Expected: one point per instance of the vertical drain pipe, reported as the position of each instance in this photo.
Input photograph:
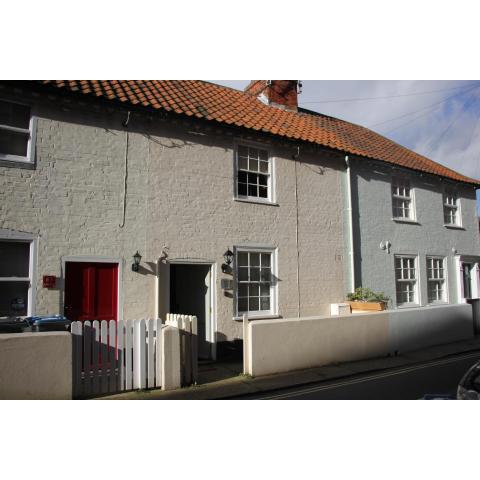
(295, 157)
(350, 225)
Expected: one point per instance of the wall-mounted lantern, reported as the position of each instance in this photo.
(228, 257)
(136, 262)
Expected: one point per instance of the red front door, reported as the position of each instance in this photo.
(91, 291)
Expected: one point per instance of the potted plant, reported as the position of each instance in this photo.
(366, 299)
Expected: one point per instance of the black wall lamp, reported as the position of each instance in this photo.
(228, 257)
(136, 262)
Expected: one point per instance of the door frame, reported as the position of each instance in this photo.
(474, 260)
(95, 259)
(213, 295)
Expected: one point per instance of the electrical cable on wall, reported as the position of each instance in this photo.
(125, 173)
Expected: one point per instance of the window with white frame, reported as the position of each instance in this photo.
(253, 173)
(451, 210)
(255, 275)
(15, 278)
(436, 280)
(406, 279)
(402, 199)
(16, 126)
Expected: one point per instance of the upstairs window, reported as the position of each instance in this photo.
(406, 280)
(15, 132)
(402, 199)
(253, 173)
(451, 210)
(436, 280)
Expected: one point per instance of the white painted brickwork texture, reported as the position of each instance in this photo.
(179, 194)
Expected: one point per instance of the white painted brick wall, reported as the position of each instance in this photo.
(180, 194)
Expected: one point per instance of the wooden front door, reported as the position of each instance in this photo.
(91, 291)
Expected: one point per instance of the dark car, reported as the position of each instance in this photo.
(469, 386)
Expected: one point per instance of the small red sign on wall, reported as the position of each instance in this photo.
(49, 281)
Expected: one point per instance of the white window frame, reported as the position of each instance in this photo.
(31, 131)
(32, 263)
(403, 181)
(450, 190)
(475, 278)
(271, 174)
(416, 292)
(444, 279)
(273, 311)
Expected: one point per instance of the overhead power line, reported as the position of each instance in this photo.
(361, 99)
(431, 143)
(428, 107)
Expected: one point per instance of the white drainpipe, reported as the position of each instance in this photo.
(351, 252)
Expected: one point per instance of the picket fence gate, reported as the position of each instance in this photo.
(188, 327)
(111, 356)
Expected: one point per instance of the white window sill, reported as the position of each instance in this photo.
(258, 317)
(14, 161)
(405, 220)
(256, 200)
(454, 227)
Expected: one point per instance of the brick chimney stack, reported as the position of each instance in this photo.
(279, 93)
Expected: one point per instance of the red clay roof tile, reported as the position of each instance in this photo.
(229, 106)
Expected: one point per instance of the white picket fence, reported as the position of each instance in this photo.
(110, 356)
(187, 324)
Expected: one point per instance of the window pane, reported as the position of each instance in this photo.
(243, 163)
(242, 259)
(253, 304)
(264, 167)
(252, 191)
(243, 274)
(265, 275)
(243, 289)
(262, 192)
(263, 180)
(243, 304)
(254, 290)
(265, 259)
(14, 259)
(253, 153)
(254, 274)
(253, 164)
(14, 115)
(242, 189)
(13, 143)
(264, 289)
(265, 303)
(13, 298)
(243, 177)
(254, 259)
(253, 178)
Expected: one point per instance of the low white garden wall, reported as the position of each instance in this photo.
(36, 366)
(274, 346)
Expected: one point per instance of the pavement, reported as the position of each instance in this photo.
(223, 380)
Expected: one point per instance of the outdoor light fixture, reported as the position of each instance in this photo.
(136, 262)
(228, 257)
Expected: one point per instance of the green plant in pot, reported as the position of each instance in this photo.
(366, 299)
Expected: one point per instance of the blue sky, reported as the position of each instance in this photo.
(437, 118)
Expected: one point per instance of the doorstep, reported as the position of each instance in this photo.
(239, 385)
